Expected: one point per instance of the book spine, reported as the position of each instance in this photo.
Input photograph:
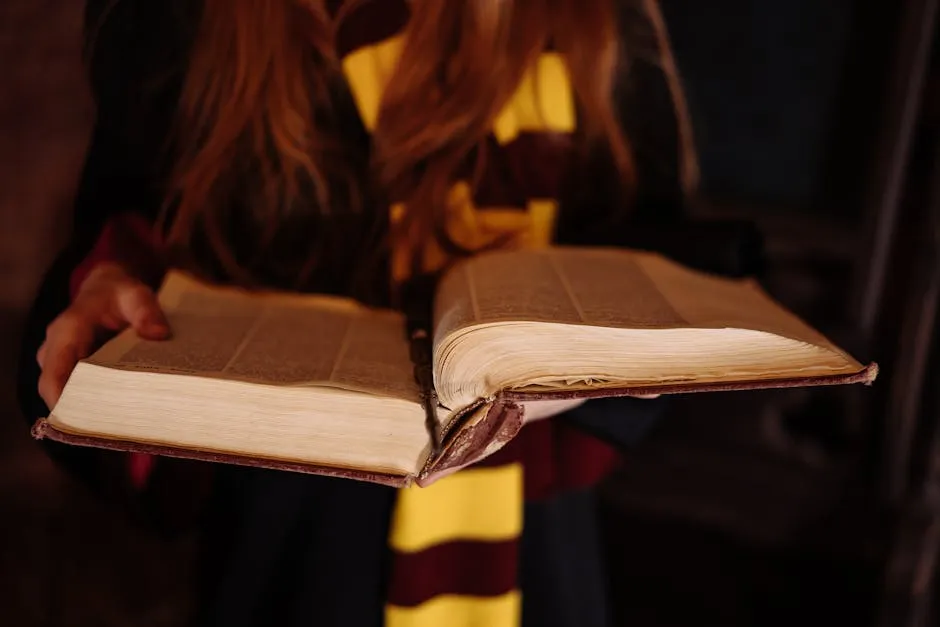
(417, 296)
(470, 438)
(424, 377)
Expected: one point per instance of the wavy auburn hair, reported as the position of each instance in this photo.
(256, 130)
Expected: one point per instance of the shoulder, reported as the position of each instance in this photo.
(652, 109)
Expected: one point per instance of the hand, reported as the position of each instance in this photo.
(109, 300)
(540, 410)
(533, 411)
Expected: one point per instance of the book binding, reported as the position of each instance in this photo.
(473, 434)
(468, 439)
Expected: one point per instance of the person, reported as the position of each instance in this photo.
(348, 147)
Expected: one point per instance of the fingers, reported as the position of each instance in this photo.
(540, 410)
(67, 341)
(437, 476)
(112, 302)
(138, 305)
(56, 373)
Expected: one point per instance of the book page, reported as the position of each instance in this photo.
(567, 286)
(605, 288)
(586, 319)
(270, 338)
(711, 302)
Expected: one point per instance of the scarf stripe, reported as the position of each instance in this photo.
(457, 611)
(474, 504)
(487, 569)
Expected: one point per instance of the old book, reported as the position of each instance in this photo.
(326, 385)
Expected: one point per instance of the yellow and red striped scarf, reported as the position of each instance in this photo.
(477, 512)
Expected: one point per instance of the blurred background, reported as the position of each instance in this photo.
(817, 124)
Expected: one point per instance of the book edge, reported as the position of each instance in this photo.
(866, 376)
(43, 430)
(465, 444)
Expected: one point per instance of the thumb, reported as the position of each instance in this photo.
(138, 305)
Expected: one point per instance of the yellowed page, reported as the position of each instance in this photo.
(711, 302)
(602, 317)
(606, 288)
(272, 338)
(613, 289)
(502, 287)
(565, 286)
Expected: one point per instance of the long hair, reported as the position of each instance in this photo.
(257, 120)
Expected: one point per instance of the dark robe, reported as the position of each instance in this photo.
(284, 549)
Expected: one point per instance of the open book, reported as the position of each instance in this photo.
(326, 385)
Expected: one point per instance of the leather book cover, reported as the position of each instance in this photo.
(865, 376)
(42, 429)
(469, 439)
(470, 436)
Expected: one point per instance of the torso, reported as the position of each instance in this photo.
(527, 152)
(529, 159)
(534, 182)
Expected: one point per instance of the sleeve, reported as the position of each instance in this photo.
(162, 494)
(599, 213)
(622, 422)
(113, 210)
(106, 473)
(127, 239)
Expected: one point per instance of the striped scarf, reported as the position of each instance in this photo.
(455, 543)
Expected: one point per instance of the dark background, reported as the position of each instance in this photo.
(816, 122)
